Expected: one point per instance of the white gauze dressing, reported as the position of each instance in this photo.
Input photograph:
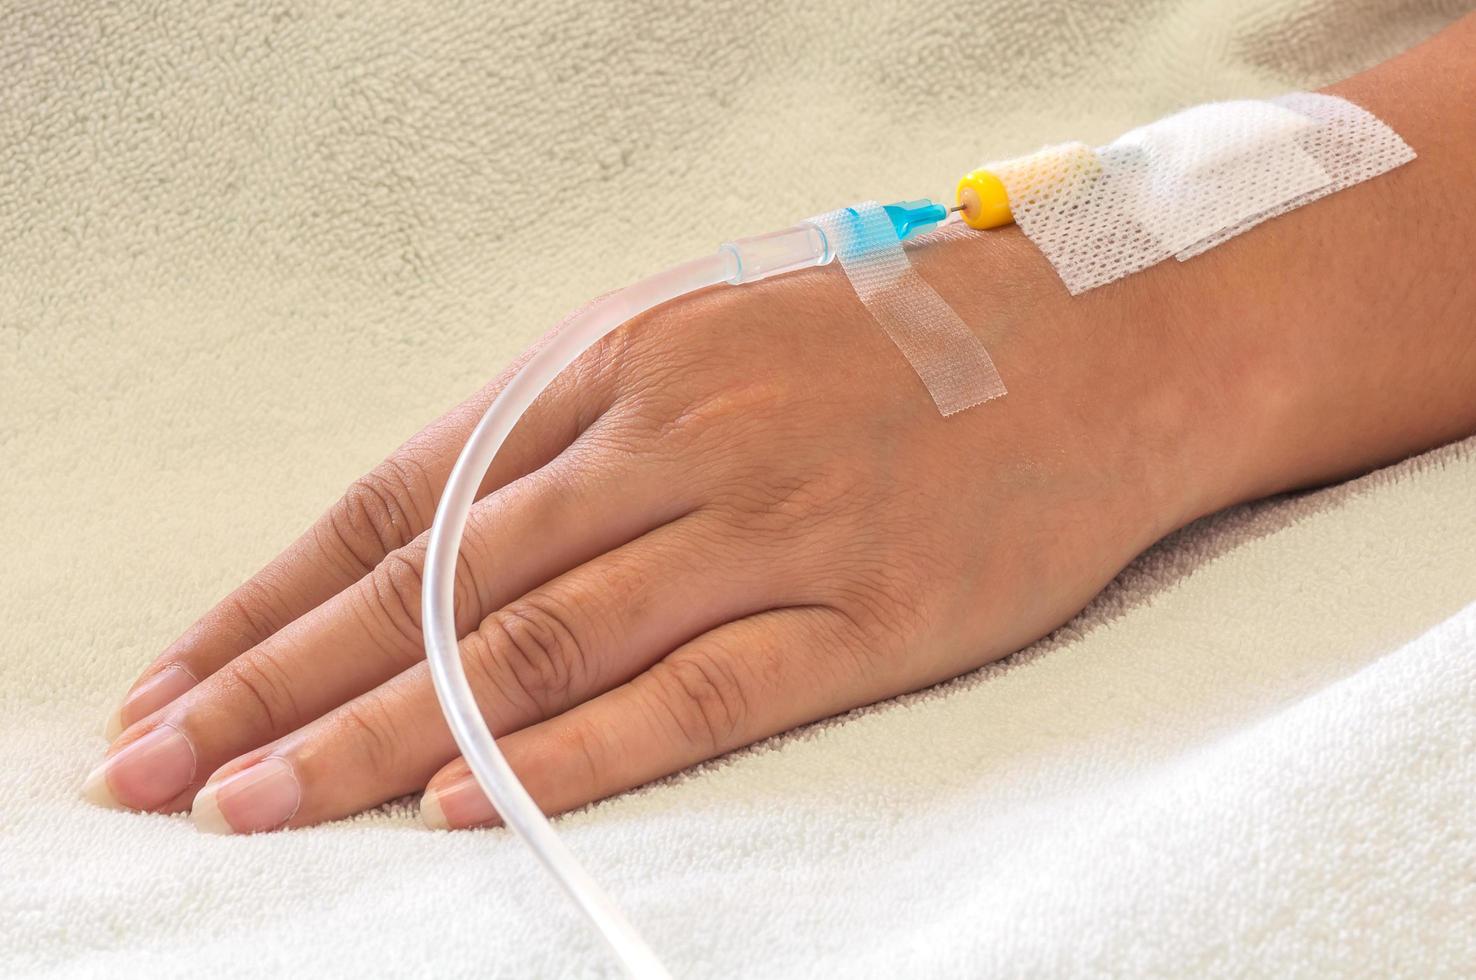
(1186, 183)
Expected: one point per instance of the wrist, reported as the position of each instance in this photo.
(1120, 375)
(1343, 331)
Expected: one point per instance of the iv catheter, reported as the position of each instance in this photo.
(744, 260)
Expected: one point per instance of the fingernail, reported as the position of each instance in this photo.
(459, 803)
(144, 774)
(149, 697)
(259, 797)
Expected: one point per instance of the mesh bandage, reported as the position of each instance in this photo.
(1190, 181)
(944, 352)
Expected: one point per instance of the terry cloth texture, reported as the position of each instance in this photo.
(245, 249)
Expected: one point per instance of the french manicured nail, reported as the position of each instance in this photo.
(144, 774)
(459, 803)
(259, 797)
(149, 697)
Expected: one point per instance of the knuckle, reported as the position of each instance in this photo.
(380, 511)
(684, 422)
(374, 732)
(784, 506)
(879, 599)
(707, 699)
(259, 609)
(472, 592)
(583, 760)
(534, 645)
(722, 414)
(396, 586)
(265, 689)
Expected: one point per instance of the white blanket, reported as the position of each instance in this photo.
(246, 248)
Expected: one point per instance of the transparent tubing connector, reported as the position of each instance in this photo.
(776, 253)
(741, 261)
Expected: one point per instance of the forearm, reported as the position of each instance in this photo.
(1357, 314)
(1327, 341)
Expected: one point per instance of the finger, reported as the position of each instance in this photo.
(582, 634)
(528, 533)
(380, 512)
(735, 685)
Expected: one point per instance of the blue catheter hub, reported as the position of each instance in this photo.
(911, 218)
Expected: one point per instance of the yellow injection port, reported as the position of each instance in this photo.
(1064, 169)
(982, 201)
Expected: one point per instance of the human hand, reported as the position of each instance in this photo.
(741, 512)
(738, 514)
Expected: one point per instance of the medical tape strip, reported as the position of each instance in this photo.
(1350, 143)
(1186, 183)
(951, 361)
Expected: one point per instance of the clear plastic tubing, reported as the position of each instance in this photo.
(742, 261)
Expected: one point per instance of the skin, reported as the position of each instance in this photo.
(742, 512)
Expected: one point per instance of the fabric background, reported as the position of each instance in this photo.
(245, 249)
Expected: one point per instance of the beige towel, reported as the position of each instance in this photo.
(246, 248)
